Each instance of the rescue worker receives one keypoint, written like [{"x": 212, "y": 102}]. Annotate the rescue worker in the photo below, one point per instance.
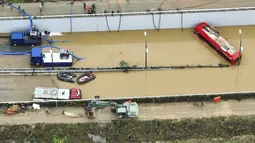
[
  {"x": 67, "y": 52},
  {"x": 51, "y": 41},
  {"x": 40, "y": 7},
  {"x": 19, "y": 9},
  {"x": 46, "y": 32},
  {"x": 84, "y": 5},
  {"x": 2, "y": 2},
  {"x": 34, "y": 28},
  {"x": 93, "y": 8},
  {"x": 90, "y": 10},
  {"x": 42, "y": 3}
]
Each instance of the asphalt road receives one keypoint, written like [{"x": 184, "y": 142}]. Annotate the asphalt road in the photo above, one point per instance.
[
  {"x": 146, "y": 112},
  {"x": 59, "y": 8}
]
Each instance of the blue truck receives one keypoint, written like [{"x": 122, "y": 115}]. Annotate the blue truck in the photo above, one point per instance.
[
  {"x": 23, "y": 38},
  {"x": 61, "y": 59}
]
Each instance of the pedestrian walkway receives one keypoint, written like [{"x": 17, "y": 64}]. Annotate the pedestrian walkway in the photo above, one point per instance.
[{"x": 63, "y": 8}]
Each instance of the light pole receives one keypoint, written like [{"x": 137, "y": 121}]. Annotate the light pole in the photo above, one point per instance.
[
  {"x": 241, "y": 47},
  {"x": 146, "y": 50},
  {"x": 51, "y": 54}
]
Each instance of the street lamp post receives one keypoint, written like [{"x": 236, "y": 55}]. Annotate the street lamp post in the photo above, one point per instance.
[
  {"x": 241, "y": 47},
  {"x": 146, "y": 50},
  {"x": 51, "y": 53}
]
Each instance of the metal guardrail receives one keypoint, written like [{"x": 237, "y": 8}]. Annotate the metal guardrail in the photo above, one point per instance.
[
  {"x": 128, "y": 98},
  {"x": 50, "y": 71},
  {"x": 132, "y": 13}
]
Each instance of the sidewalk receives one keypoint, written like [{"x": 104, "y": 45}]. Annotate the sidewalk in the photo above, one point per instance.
[{"x": 61, "y": 8}]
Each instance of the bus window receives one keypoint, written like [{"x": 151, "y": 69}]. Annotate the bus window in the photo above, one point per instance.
[{"x": 211, "y": 31}]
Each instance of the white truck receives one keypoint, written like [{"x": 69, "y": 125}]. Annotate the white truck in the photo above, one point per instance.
[{"x": 47, "y": 93}]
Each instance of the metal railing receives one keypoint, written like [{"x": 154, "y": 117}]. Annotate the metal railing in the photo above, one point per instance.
[
  {"x": 132, "y": 13},
  {"x": 50, "y": 71}
]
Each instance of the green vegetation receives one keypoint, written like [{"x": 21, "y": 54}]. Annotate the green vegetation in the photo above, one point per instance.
[
  {"x": 59, "y": 140},
  {"x": 236, "y": 139},
  {"x": 125, "y": 131}
]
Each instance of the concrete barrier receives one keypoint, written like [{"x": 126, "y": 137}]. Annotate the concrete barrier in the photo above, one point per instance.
[{"x": 133, "y": 21}]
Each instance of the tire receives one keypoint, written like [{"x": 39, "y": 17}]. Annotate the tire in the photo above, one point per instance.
[
  {"x": 113, "y": 110},
  {"x": 119, "y": 116},
  {"x": 196, "y": 33}
]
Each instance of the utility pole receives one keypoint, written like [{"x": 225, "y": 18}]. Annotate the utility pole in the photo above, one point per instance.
[
  {"x": 51, "y": 52},
  {"x": 146, "y": 50},
  {"x": 240, "y": 55},
  {"x": 241, "y": 47}
]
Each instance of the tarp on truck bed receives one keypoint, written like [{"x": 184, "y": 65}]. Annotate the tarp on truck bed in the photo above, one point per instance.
[
  {"x": 46, "y": 93},
  {"x": 63, "y": 94}
]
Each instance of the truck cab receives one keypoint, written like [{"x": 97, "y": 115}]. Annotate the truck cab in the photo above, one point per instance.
[
  {"x": 129, "y": 110},
  {"x": 24, "y": 38},
  {"x": 75, "y": 93},
  {"x": 36, "y": 57}
]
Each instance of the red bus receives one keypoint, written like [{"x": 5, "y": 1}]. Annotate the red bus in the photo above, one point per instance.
[{"x": 212, "y": 37}]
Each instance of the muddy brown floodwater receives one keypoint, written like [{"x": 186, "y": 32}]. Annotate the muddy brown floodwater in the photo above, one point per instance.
[{"x": 167, "y": 47}]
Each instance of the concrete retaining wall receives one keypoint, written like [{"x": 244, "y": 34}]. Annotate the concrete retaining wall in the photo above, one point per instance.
[{"x": 178, "y": 19}]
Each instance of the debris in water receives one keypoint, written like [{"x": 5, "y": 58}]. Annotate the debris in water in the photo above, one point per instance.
[
  {"x": 36, "y": 106},
  {"x": 97, "y": 138},
  {"x": 71, "y": 114}
]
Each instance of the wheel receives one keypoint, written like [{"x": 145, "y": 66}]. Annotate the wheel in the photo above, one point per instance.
[
  {"x": 113, "y": 110},
  {"x": 119, "y": 116}
]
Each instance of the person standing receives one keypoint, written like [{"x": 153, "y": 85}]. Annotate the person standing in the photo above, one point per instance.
[
  {"x": 10, "y": 4},
  {"x": 42, "y": 3},
  {"x": 84, "y": 5},
  {"x": 40, "y": 7},
  {"x": 2, "y": 3},
  {"x": 19, "y": 9}
]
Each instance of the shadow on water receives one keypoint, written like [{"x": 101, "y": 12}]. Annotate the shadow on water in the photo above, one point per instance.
[{"x": 4, "y": 47}]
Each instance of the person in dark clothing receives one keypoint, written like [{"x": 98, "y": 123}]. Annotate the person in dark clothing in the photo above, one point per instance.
[
  {"x": 19, "y": 9},
  {"x": 93, "y": 8},
  {"x": 2, "y": 2},
  {"x": 42, "y": 3},
  {"x": 85, "y": 6},
  {"x": 40, "y": 8},
  {"x": 10, "y": 4}
]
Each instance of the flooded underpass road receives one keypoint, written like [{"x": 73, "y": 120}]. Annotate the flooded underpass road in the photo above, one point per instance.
[{"x": 167, "y": 47}]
